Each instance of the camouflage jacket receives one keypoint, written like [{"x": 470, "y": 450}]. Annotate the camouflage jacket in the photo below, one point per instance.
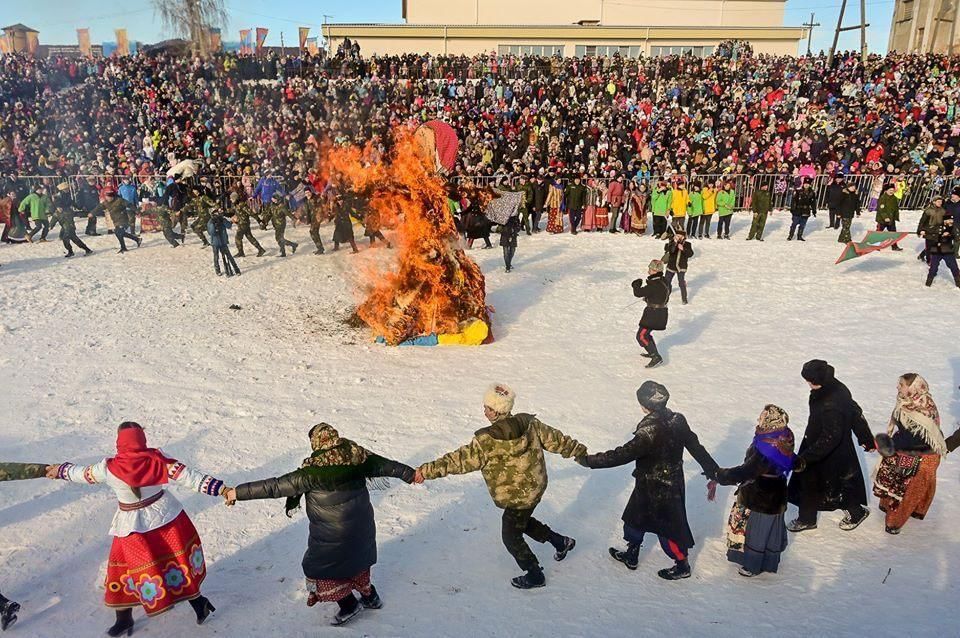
[
  {"x": 509, "y": 454},
  {"x": 242, "y": 213},
  {"x": 121, "y": 213},
  {"x": 164, "y": 217},
  {"x": 277, "y": 213},
  {"x": 22, "y": 471},
  {"x": 201, "y": 207}
]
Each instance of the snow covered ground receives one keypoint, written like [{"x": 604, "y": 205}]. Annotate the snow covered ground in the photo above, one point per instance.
[{"x": 149, "y": 336}]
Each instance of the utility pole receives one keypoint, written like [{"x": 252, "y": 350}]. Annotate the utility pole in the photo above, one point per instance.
[
  {"x": 327, "y": 36},
  {"x": 810, "y": 26},
  {"x": 283, "y": 49},
  {"x": 863, "y": 32}
]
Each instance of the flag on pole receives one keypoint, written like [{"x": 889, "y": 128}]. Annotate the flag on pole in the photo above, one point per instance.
[
  {"x": 83, "y": 41},
  {"x": 123, "y": 44},
  {"x": 261, "y": 38},
  {"x": 245, "y": 47},
  {"x": 312, "y": 47},
  {"x": 873, "y": 241},
  {"x": 304, "y": 32}
]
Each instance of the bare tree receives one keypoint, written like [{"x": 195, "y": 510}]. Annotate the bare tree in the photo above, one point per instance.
[{"x": 192, "y": 19}]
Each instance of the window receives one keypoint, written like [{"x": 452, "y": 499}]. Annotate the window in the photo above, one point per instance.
[
  {"x": 700, "y": 51},
  {"x": 530, "y": 49},
  {"x": 623, "y": 50},
  {"x": 907, "y": 13}
]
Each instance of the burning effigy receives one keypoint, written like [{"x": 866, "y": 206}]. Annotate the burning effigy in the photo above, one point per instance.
[{"x": 436, "y": 294}]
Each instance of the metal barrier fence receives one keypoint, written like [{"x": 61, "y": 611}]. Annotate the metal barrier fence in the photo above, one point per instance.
[{"x": 918, "y": 191}]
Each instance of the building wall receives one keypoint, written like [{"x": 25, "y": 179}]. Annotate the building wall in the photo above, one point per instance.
[
  {"x": 915, "y": 26},
  {"x": 607, "y": 12}
]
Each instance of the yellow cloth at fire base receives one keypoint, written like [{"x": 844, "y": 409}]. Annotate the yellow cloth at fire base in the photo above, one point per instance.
[{"x": 474, "y": 333}]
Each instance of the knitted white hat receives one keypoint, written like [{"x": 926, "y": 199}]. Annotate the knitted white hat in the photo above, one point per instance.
[{"x": 499, "y": 398}]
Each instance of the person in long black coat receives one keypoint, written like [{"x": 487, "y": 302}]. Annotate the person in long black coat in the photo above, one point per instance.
[
  {"x": 656, "y": 292},
  {"x": 658, "y": 502},
  {"x": 827, "y": 474},
  {"x": 508, "y": 240},
  {"x": 343, "y": 536}
]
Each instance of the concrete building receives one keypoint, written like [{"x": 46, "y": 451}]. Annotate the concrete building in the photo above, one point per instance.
[
  {"x": 575, "y": 27},
  {"x": 925, "y": 26}
]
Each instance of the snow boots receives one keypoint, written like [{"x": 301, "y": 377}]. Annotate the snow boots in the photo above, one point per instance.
[
  {"x": 372, "y": 601},
  {"x": 655, "y": 360},
  {"x": 629, "y": 557},
  {"x": 851, "y": 521},
  {"x": 680, "y": 570},
  {"x": 124, "y": 624},
  {"x": 797, "y": 525},
  {"x": 564, "y": 545},
  {"x": 8, "y": 613},
  {"x": 349, "y": 608},
  {"x": 202, "y": 607},
  {"x": 531, "y": 580}
]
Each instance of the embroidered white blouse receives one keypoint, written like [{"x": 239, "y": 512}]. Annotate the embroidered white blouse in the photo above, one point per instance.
[{"x": 156, "y": 514}]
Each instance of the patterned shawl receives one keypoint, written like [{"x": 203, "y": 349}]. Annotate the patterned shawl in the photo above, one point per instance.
[
  {"x": 329, "y": 449},
  {"x": 774, "y": 440},
  {"x": 917, "y": 413}
]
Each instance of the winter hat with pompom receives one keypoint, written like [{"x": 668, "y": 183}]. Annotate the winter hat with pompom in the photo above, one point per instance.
[{"x": 499, "y": 398}]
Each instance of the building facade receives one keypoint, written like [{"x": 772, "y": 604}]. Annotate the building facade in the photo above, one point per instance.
[
  {"x": 922, "y": 26},
  {"x": 575, "y": 27}
]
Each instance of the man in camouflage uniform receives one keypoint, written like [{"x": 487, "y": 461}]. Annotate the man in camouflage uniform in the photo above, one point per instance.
[
  {"x": 241, "y": 217},
  {"x": 63, "y": 214},
  {"x": 277, "y": 212},
  {"x": 509, "y": 454},
  {"x": 200, "y": 205},
  {"x": 120, "y": 213},
  {"x": 16, "y": 472},
  {"x": 165, "y": 217},
  {"x": 315, "y": 214}
]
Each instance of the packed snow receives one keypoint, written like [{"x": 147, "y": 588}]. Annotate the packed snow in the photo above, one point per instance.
[{"x": 150, "y": 336}]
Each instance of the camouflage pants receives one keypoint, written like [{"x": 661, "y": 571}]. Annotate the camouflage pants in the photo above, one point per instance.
[
  {"x": 282, "y": 242},
  {"x": 199, "y": 226},
  {"x": 756, "y": 228},
  {"x": 845, "y": 230},
  {"x": 315, "y": 236},
  {"x": 516, "y": 523},
  {"x": 243, "y": 231}
]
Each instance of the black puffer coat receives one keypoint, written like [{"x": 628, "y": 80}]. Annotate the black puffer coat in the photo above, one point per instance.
[
  {"x": 832, "y": 478},
  {"x": 656, "y": 293},
  {"x": 658, "y": 502},
  {"x": 343, "y": 534}
]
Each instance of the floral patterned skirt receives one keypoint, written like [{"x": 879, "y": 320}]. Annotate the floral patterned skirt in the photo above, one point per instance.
[
  {"x": 156, "y": 569},
  {"x": 330, "y": 590}
]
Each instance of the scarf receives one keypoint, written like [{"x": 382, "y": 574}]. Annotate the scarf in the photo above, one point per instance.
[
  {"x": 135, "y": 464},
  {"x": 329, "y": 450},
  {"x": 774, "y": 440},
  {"x": 916, "y": 412}
]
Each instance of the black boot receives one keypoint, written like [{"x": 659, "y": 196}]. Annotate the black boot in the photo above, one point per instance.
[
  {"x": 261, "y": 252},
  {"x": 956, "y": 280},
  {"x": 293, "y": 249},
  {"x": 202, "y": 607},
  {"x": 629, "y": 557},
  {"x": 8, "y": 613},
  {"x": 655, "y": 360},
  {"x": 239, "y": 254},
  {"x": 680, "y": 570},
  {"x": 124, "y": 624},
  {"x": 929, "y": 281},
  {"x": 531, "y": 580},
  {"x": 349, "y": 608},
  {"x": 563, "y": 544},
  {"x": 373, "y": 600}
]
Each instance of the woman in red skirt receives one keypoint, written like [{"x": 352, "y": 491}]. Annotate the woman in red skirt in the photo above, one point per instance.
[{"x": 156, "y": 559}]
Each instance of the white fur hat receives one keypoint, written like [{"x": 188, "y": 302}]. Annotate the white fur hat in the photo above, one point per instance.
[{"x": 499, "y": 398}]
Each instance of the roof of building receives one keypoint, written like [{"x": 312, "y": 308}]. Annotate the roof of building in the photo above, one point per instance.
[{"x": 19, "y": 27}]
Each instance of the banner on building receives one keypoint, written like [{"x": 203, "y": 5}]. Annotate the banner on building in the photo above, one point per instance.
[
  {"x": 304, "y": 33},
  {"x": 261, "y": 38},
  {"x": 123, "y": 44},
  {"x": 213, "y": 37},
  {"x": 83, "y": 40},
  {"x": 312, "y": 47},
  {"x": 245, "y": 47},
  {"x": 33, "y": 43},
  {"x": 5, "y": 44}
]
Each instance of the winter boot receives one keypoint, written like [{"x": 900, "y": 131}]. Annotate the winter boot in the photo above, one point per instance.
[
  {"x": 893, "y": 530},
  {"x": 202, "y": 607},
  {"x": 293, "y": 248},
  {"x": 563, "y": 544},
  {"x": 68, "y": 255},
  {"x": 851, "y": 521},
  {"x": 139, "y": 241},
  {"x": 956, "y": 280},
  {"x": 372, "y": 601},
  {"x": 797, "y": 525},
  {"x": 629, "y": 557},
  {"x": 8, "y": 613},
  {"x": 87, "y": 252},
  {"x": 239, "y": 254},
  {"x": 124, "y": 624},
  {"x": 929, "y": 281},
  {"x": 655, "y": 360},
  {"x": 680, "y": 570},
  {"x": 746, "y": 573},
  {"x": 349, "y": 608},
  {"x": 790, "y": 237},
  {"x": 261, "y": 252},
  {"x": 531, "y": 580}
]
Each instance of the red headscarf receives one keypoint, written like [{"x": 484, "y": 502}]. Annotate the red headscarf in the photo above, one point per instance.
[{"x": 136, "y": 464}]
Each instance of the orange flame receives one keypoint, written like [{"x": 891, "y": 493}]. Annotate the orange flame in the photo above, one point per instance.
[{"x": 435, "y": 287}]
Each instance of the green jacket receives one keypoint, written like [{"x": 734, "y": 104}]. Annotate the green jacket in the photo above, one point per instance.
[
  {"x": 696, "y": 204},
  {"x": 22, "y": 471},
  {"x": 164, "y": 217},
  {"x": 527, "y": 200},
  {"x": 760, "y": 204},
  {"x": 576, "y": 196},
  {"x": 726, "y": 200},
  {"x": 888, "y": 207},
  {"x": 39, "y": 206},
  {"x": 509, "y": 454},
  {"x": 660, "y": 203}
]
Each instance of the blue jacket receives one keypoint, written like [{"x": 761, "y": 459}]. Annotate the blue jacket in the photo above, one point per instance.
[
  {"x": 128, "y": 192},
  {"x": 265, "y": 189},
  {"x": 219, "y": 239}
]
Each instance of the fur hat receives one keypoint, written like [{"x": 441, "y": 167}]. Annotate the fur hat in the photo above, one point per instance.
[
  {"x": 655, "y": 266},
  {"x": 817, "y": 372},
  {"x": 499, "y": 398},
  {"x": 652, "y": 395}
]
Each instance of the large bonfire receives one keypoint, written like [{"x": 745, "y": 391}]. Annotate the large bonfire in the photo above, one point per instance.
[{"x": 436, "y": 289}]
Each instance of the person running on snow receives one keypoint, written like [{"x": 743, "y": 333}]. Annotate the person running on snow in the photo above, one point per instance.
[
  {"x": 656, "y": 293},
  {"x": 120, "y": 215},
  {"x": 657, "y": 504},
  {"x": 676, "y": 256},
  {"x": 509, "y": 454},
  {"x": 16, "y": 472}
]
